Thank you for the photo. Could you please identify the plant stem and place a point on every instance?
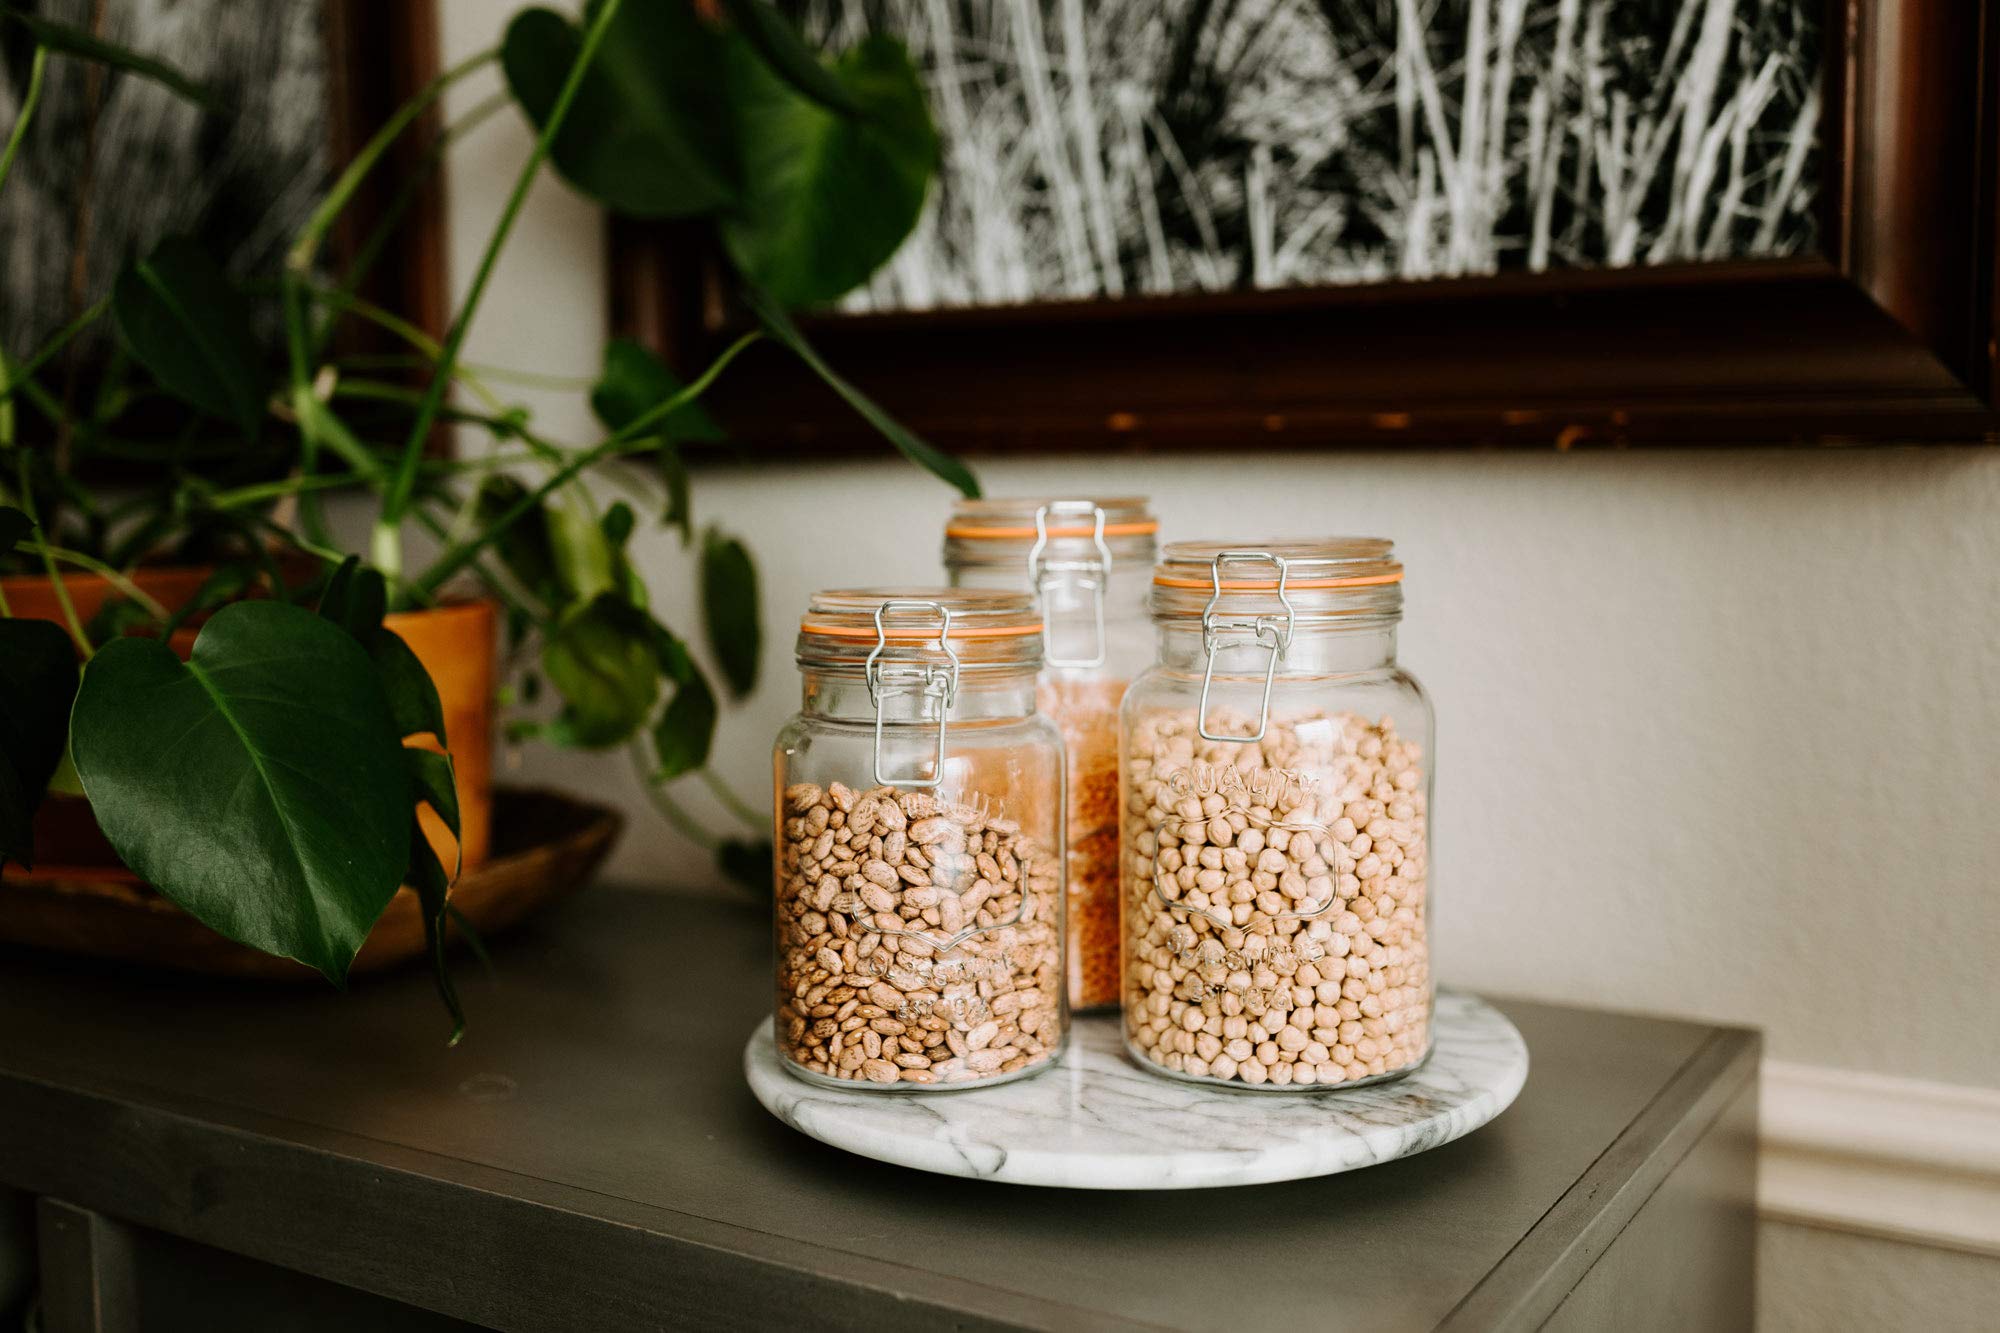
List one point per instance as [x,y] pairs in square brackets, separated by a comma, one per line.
[34,94]
[306,248]
[731,802]
[456,557]
[117,579]
[689,827]
[299,263]
[533,379]
[48,561]
[406,194]
[410,334]
[55,344]
[404,483]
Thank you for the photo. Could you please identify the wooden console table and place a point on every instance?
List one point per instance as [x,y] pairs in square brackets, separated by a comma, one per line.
[199,1154]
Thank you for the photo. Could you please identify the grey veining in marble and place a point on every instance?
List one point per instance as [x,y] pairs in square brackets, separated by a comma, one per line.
[1098,1121]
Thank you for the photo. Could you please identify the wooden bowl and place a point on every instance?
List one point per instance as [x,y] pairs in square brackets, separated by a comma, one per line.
[545,845]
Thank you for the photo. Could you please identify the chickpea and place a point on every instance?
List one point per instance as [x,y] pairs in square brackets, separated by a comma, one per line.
[1274,900]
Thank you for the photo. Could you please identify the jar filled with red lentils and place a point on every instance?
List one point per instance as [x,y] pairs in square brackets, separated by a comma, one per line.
[1088,562]
[919,837]
[1275,764]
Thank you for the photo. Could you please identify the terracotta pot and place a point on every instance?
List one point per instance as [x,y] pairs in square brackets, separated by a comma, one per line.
[457,644]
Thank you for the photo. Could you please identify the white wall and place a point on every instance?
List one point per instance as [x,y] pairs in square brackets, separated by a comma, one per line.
[1718,728]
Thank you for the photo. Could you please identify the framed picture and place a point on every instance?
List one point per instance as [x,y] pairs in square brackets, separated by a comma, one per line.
[1379,222]
[113,163]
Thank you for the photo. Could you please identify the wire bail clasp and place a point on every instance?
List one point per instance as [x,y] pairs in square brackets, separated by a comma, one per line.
[1087,575]
[1270,631]
[934,680]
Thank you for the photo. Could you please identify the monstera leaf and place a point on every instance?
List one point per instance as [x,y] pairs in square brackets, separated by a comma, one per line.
[647,134]
[354,600]
[186,324]
[37,683]
[827,197]
[261,785]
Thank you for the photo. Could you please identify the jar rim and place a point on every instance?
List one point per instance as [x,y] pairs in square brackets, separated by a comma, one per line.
[1317,578]
[1026,518]
[984,627]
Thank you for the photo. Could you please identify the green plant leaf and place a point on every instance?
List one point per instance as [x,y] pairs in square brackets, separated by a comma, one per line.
[827,198]
[648,132]
[355,598]
[526,548]
[186,324]
[412,694]
[434,782]
[14,525]
[634,382]
[73,42]
[617,524]
[746,863]
[433,889]
[679,512]
[118,616]
[933,460]
[602,661]
[788,56]
[586,564]
[227,583]
[37,684]
[729,610]
[685,732]
[261,785]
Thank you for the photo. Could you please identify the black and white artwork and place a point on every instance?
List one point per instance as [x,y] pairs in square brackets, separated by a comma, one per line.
[113,163]
[1107,148]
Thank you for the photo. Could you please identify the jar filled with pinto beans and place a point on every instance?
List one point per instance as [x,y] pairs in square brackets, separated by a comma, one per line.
[1275,765]
[919,876]
[1087,562]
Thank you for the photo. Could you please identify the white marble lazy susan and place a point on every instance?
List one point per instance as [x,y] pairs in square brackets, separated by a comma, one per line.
[1098,1121]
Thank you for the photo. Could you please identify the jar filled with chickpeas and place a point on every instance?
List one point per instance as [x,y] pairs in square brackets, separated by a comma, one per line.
[1089,563]
[919,837]
[1276,774]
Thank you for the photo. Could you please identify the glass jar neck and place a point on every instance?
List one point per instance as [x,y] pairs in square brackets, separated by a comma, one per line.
[1072,597]
[1125,586]
[840,694]
[1317,649]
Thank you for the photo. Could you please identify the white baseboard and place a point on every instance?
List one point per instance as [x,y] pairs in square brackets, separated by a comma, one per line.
[1893,1157]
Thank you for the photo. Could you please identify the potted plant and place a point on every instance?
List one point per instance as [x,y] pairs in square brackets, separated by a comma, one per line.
[275,732]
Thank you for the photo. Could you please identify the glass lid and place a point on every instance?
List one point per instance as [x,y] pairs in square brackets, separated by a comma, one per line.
[1025,518]
[1305,579]
[977,626]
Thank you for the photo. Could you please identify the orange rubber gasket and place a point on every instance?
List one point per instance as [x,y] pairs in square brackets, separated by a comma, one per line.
[1143,528]
[912,633]
[1271,585]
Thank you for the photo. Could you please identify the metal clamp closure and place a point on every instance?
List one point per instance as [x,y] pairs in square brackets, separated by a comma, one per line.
[932,679]
[1087,575]
[1269,631]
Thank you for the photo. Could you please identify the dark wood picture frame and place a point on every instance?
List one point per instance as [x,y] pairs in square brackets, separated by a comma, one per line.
[1888,335]
[379,57]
